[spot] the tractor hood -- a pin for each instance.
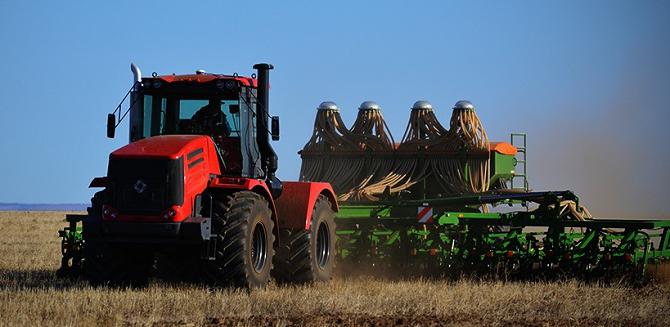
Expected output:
(160, 175)
(165, 146)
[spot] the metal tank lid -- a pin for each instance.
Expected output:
(328, 105)
(464, 105)
(369, 105)
(422, 105)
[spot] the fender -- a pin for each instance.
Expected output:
(99, 182)
(296, 204)
(247, 184)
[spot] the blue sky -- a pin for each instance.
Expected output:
(588, 80)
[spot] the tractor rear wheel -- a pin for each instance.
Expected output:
(309, 255)
(244, 246)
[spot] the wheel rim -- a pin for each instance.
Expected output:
(259, 247)
(322, 245)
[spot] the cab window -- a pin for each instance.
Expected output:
(175, 116)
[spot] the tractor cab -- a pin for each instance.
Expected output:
(219, 106)
(224, 107)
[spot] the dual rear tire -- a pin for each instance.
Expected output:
(245, 250)
(308, 255)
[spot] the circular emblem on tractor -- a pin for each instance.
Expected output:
(140, 186)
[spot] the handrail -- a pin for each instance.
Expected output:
(118, 108)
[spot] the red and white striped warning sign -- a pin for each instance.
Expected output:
(425, 214)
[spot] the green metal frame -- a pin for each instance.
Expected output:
(518, 140)
(72, 243)
(462, 242)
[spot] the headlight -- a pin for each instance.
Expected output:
(109, 212)
(169, 214)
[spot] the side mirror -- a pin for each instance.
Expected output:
(111, 125)
(275, 128)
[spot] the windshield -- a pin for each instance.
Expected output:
(228, 116)
(207, 116)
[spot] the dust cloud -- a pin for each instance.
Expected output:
(612, 152)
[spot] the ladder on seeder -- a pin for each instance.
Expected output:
(518, 140)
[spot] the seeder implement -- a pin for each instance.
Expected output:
(443, 202)
(521, 244)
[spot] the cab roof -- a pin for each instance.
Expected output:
(206, 78)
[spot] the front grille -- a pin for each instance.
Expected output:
(145, 186)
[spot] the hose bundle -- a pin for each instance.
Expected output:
(372, 135)
(370, 129)
(465, 129)
(321, 161)
(464, 172)
(423, 129)
(569, 209)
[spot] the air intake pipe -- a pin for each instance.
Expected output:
(268, 155)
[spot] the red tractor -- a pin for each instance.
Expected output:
(195, 194)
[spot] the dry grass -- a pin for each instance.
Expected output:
(30, 295)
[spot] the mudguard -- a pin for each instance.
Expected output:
(247, 184)
(296, 203)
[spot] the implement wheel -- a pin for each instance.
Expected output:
(244, 246)
(309, 255)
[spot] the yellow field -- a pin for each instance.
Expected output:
(31, 295)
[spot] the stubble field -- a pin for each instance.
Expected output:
(30, 294)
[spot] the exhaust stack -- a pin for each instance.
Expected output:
(137, 74)
(135, 98)
(268, 156)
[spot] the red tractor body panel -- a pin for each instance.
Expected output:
(296, 203)
(200, 162)
(247, 184)
(167, 146)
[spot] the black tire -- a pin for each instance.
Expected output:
(309, 256)
(106, 266)
(244, 235)
(179, 265)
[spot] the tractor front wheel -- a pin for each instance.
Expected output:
(244, 235)
(107, 266)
